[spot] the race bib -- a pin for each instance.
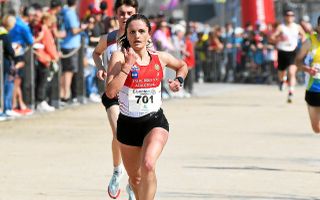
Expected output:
(144, 100)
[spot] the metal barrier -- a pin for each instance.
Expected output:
(80, 80)
(28, 86)
(213, 67)
(1, 79)
(54, 89)
(54, 92)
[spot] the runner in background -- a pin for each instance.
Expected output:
(286, 37)
(308, 60)
(106, 46)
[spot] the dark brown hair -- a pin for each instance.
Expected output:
(132, 3)
(123, 40)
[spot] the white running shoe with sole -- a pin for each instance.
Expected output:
(114, 184)
(130, 193)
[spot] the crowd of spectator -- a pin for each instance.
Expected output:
(55, 33)
(223, 53)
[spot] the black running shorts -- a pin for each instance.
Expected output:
(132, 131)
(107, 102)
(285, 59)
(312, 98)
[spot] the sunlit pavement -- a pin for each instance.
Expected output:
(226, 142)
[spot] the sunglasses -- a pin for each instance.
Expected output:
(290, 15)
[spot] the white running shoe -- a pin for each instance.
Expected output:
(95, 98)
(114, 184)
(130, 193)
(45, 107)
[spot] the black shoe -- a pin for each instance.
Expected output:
(281, 85)
(290, 97)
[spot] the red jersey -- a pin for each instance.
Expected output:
(141, 93)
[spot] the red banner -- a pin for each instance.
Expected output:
(84, 7)
(257, 11)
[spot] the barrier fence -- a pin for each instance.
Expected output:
(216, 67)
(29, 80)
(230, 67)
(28, 86)
(1, 79)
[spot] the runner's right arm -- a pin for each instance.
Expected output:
(301, 56)
(97, 57)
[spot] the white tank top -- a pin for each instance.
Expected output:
(112, 46)
(289, 37)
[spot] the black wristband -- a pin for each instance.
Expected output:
(126, 73)
(180, 79)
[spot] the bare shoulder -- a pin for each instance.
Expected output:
(102, 44)
(163, 55)
(117, 56)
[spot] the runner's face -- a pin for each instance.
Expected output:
(123, 13)
(318, 28)
(289, 16)
(138, 34)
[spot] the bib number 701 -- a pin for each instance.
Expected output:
(144, 99)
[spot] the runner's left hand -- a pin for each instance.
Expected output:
(174, 85)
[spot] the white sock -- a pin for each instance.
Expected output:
(291, 89)
(118, 168)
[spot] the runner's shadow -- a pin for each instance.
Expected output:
(232, 105)
(251, 168)
(194, 195)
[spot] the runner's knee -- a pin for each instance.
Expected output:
(148, 165)
(135, 180)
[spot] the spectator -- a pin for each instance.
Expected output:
(160, 38)
(27, 14)
(201, 56)
(93, 33)
(57, 27)
(36, 23)
(306, 25)
(230, 52)
(99, 25)
(215, 47)
(105, 19)
(46, 56)
(8, 23)
(21, 37)
(69, 47)
(189, 59)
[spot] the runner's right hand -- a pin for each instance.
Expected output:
(101, 74)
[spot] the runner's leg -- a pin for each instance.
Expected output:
(153, 145)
